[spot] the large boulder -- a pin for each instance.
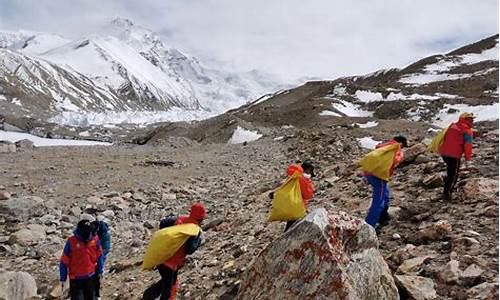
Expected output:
(17, 286)
(324, 256)
(23, 208)
(28, 236)
(480, 189)
(7, 147)
(413, 152)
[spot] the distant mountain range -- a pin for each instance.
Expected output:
(122, 68)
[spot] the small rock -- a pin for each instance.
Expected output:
(149, 225)
(471, 275)
(483, 291)
(108, 213)
(416, 287)
(450, 272)
(168, 196)
(94, 200)
(25, 145)
(433, 181)
(412, 266)
(228, 265)
(4, 195)
(396, 236)
(434, 231)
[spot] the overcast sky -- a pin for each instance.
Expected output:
(290, 38)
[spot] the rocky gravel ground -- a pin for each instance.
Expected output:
(430, 245)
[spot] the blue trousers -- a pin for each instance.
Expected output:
(380, 199)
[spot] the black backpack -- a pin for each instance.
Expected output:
(168, 221)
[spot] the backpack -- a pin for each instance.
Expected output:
(168, 221)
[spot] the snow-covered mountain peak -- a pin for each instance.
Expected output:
(30, 42)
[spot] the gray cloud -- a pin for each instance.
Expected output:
(291, 38)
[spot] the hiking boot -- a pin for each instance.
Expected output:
(384, 218)
(446, 197)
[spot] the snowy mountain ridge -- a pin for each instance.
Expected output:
(124, 68)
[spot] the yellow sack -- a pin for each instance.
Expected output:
(165, 242)
(287, 201)
(379, 161)
(437, 141)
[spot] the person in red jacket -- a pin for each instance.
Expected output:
(378, 212)
(457, 142)
(306, 171)
(82, 258)
(167, 287)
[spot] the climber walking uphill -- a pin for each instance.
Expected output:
(378, 167)
(290, 200)
(456, 142)
(168, 248)
(81, 260)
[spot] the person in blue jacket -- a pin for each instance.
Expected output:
(101, 229)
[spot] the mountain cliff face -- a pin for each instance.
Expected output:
(123, 68)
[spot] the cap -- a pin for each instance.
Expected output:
(308, 165)
(401, 139)
(467, 115)
(198, 211)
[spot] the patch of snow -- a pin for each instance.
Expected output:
(241, 135)
(350, 110)
(16, 101)
(482, 113)
(367, 96)
(446, 96)
(128, 117)
(84, 133)
(42, 142)
(287, 126)
(368, 142)
(340, 91)
(428, 78)
(67, 105)
(401, 96)
(367, 124)
(329, 113)
(488, 54)
(279, 138)
(3, 98)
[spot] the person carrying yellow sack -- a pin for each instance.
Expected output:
(299, 175)
(166, 288)
(378, 167)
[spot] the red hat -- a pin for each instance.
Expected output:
(198, 211)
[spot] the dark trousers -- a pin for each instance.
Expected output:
(97, 285)
(289, 224)
(164, 287)
(452, 168)
(82, 289)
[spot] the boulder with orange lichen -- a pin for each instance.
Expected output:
(324, 256)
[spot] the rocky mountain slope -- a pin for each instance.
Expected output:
(433, 90)
(123, 68)
(433, 249)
